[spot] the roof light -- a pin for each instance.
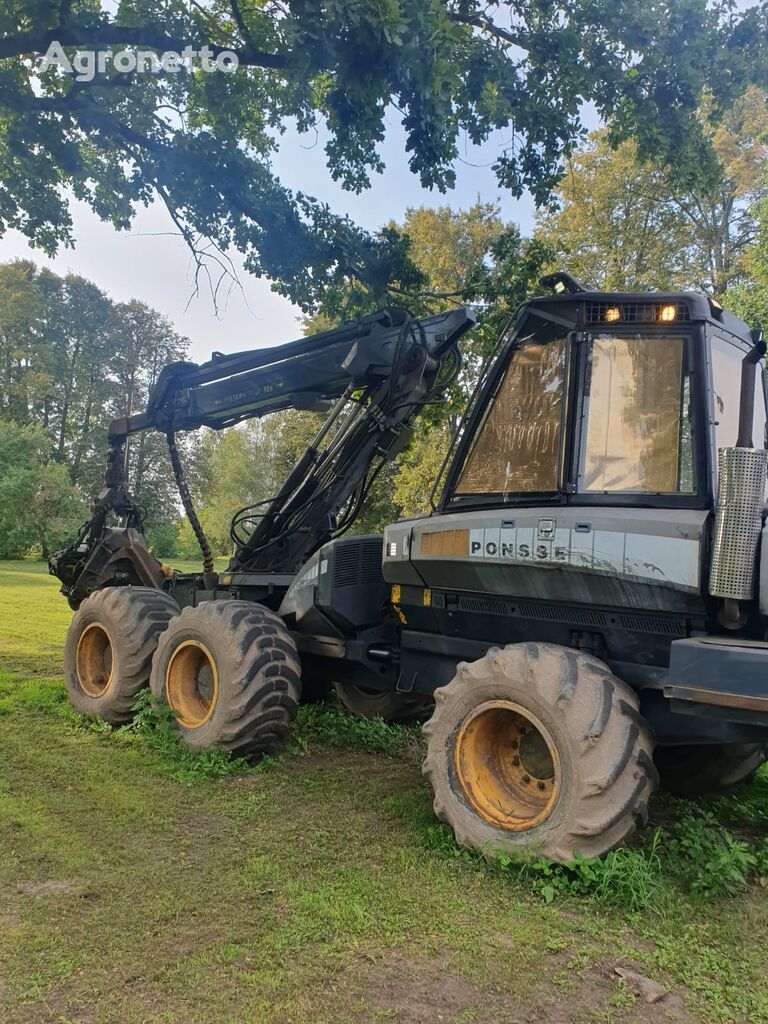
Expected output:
(612, 314)
(560, 283)
(667, 313)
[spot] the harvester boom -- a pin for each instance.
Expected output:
(374, 374)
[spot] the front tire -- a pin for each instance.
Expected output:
(230, 672)
(538, 748)
(109, 649)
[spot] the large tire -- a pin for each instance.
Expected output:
(715, 768)
(230, 671)
(538, 748)
(386, 704)
(109, 648)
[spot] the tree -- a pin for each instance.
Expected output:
(616, 229)
(723, 217)
(468, 257)
(39, 507)
(749, 298)
(418, 469)
(26, 363)
(147, 342)
(202, 142)
(626, 224)
(71, 360)
(231, 459)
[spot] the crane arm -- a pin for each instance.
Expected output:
(377, 372)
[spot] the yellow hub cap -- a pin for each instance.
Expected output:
(192, 684)
(93, 660)
(507, 766)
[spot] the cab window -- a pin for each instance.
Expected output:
(636, 433)
(517, 445)
(726, 386)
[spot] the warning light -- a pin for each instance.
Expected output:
(612, 314)
(667, 313)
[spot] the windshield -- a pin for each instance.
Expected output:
(634, 433)
(517, 445)
(637, 435)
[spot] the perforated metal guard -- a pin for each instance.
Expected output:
(738, 521)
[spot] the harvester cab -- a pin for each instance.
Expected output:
(606, 492)
(583, 609)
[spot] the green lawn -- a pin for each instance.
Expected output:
(135, 889)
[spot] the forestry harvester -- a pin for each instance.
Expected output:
(584, 610)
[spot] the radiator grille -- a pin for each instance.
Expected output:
(357, 561)
(649, 624)
(483, 605)
(594, 618)
(555, 613)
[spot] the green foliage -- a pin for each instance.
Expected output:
(698, 856)
(629, 878)
(468, 257)
(202, 142)
(39, 507)
(711, 861)
(625, 224)
(231, 471)
(154, 724)
(418, 468)
(186, 545)
(463, 257)
(35, 694)
(330, 726)
(617, 228)
(71, 360)
(162, 540)
(761, 858)
(749, 298)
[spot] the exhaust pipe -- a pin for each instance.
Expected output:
(740, 502)
(747, 393)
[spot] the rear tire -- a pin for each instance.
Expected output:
(386, 704)
(230, 671)
(715, 768)
(537, 748)
(109, 648)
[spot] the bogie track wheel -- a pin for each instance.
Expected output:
(538, 748)
(109, 648)
(230, 672)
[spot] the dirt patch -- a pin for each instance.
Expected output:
(421, 992)
(572, 994)
(435, 991)
(50, 887)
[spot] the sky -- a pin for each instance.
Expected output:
(152, 264)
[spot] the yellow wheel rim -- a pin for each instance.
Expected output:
(94, 661)
(507, 766)
(192, 684)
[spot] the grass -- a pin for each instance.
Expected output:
(140, 882)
